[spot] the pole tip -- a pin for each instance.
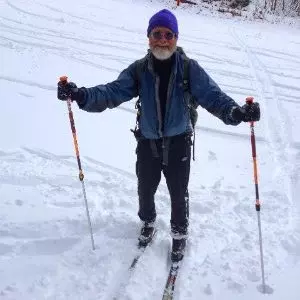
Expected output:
(249, 100)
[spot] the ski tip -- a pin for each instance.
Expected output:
(167, 297)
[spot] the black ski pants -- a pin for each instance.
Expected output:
(176, 169)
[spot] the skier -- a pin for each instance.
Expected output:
(164, 121)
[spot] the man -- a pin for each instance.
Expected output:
(164, 123)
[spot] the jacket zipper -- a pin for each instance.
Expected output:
(170, 84)
(159, 116)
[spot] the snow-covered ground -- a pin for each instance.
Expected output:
(45, 249)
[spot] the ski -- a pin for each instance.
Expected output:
(125, 279)
(170, 284)
(141, 250)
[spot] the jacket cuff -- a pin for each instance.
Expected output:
(80, 97)
(235, 120)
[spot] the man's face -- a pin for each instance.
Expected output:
(162, 42)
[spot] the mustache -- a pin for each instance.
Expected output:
(162, 47)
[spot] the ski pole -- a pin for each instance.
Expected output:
(249, 100)
(64, 80)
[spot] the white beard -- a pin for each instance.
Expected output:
(161, 53)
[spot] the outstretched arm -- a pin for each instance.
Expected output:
(110, 95)
(210, 96)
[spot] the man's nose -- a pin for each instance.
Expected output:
(163, 39)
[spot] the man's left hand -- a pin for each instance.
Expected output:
(246, 113)
(66, 90)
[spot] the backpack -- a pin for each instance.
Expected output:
(189, 99)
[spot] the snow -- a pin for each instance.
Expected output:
(45, 247)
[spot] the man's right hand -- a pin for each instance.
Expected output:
(66, 90)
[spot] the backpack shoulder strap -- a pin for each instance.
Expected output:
(186, 73)
(186, 68)
(191, 103)
(140, 66)
(139, 69)
(186, 80)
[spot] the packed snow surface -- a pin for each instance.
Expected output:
(45, 247)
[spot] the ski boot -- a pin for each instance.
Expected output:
(178, 249)
(147, 233)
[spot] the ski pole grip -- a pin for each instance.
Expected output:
(63, 79)
(249, 100)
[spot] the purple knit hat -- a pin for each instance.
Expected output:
(163, 18)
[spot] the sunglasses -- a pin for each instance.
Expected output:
(158, 35)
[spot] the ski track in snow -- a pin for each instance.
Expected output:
(276, 121)
(221, 249)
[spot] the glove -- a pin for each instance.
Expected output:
(66, 90)
(246, 113)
